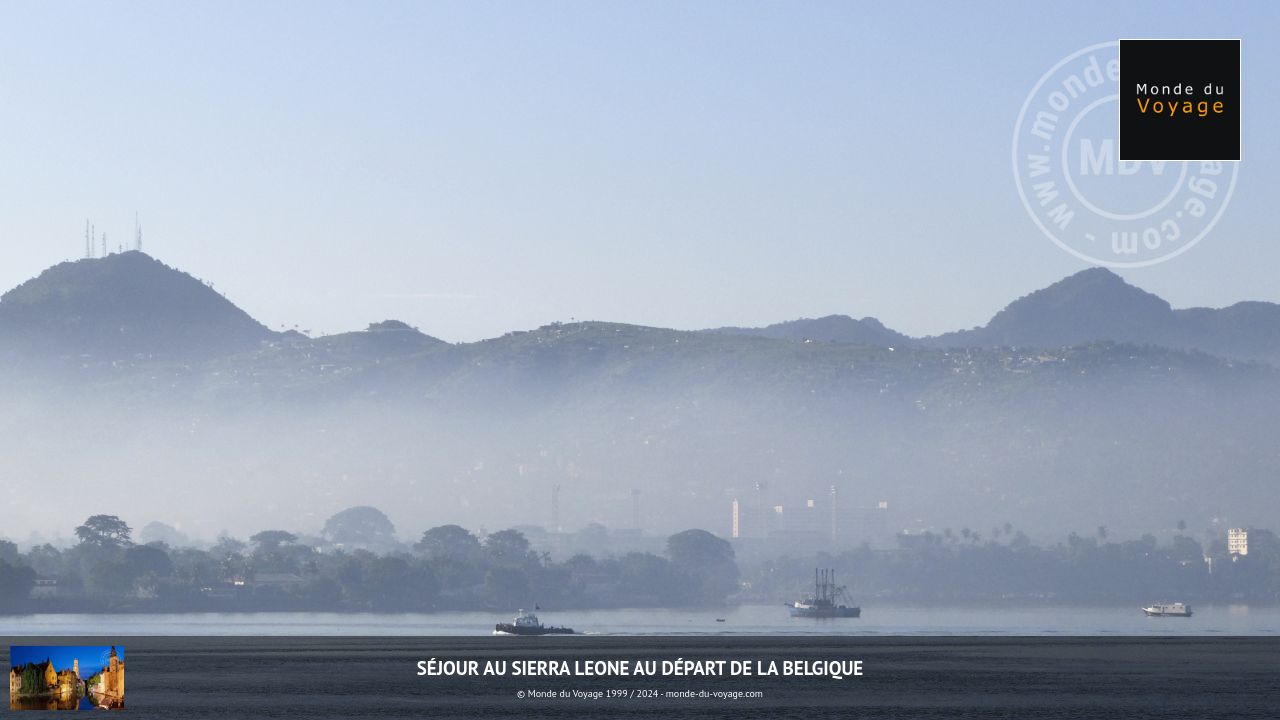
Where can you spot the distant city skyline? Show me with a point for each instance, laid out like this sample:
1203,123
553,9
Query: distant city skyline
477,168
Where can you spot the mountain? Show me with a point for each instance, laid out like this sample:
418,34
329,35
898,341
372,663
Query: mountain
1091,305
832,328
1094,305
1249,330
1098,305
122,306
389,337
253,429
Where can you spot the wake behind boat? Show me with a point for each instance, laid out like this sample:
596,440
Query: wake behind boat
526,623
825,602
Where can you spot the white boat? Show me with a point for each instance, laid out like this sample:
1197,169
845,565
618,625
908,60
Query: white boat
526,623
1167,610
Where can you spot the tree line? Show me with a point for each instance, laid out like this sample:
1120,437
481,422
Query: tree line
356,564
946,567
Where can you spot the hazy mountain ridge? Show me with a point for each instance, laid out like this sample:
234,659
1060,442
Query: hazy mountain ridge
1090,306
831,328
477,433
129,304
1097,304
123,305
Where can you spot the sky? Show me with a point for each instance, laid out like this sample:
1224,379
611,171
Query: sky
92,657
474,168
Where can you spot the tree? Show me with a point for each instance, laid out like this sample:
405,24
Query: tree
8,552
507,587
448,541
16,582
1186,549
109,577
105,531
581,563
227,545
45,559
159,532
707,562
395,583
698,548
646,579
362,527
277,551
147,562
269,540
508,547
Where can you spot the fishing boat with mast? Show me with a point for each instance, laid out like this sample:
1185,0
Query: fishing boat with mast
828,600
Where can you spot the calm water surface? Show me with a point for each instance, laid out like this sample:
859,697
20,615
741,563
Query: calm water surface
743,620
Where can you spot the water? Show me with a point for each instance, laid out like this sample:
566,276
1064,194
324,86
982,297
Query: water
755,620
83,702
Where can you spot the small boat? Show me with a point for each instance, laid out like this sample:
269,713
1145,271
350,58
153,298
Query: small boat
825,602
526,623
1167,610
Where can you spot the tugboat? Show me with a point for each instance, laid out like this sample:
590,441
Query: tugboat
1168,610
526,623
825,602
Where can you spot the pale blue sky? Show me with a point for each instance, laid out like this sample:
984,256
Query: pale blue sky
473,168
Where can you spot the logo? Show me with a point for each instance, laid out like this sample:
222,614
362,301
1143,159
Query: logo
1180,99
1082,196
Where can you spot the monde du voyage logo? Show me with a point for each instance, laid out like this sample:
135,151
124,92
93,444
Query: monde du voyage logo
1124,153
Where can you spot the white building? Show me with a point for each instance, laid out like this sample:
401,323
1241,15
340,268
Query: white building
1238,541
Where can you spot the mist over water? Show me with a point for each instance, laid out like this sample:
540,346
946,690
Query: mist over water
481,436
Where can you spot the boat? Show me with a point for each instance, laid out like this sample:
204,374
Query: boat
526,623
1167,610
827,601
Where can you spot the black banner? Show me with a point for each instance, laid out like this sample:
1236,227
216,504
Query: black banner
697,677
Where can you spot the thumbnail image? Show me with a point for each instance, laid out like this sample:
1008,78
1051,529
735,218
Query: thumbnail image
66,677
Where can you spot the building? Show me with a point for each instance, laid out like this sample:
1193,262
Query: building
110,688
44,588
44,679
69,680
40,678
1252,542
1238,541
